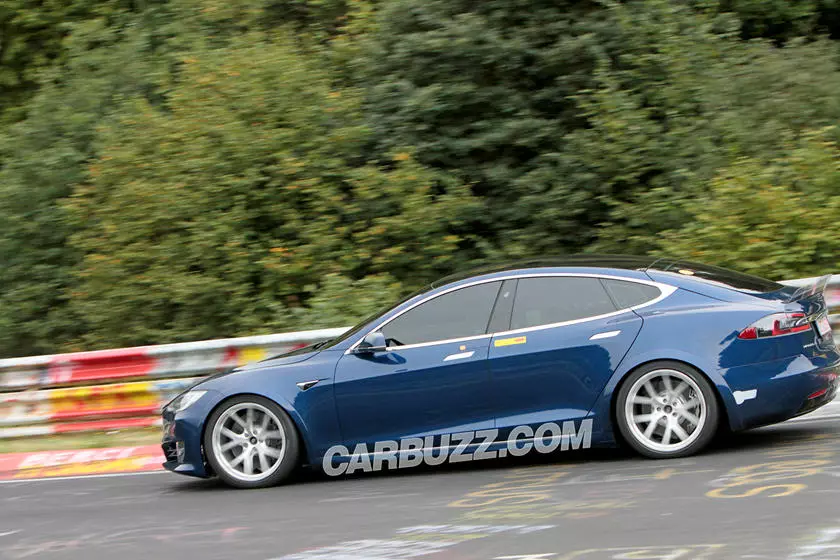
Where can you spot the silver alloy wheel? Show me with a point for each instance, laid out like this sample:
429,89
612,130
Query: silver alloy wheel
665,410
249,442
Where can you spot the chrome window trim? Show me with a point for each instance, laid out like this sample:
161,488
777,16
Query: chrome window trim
665,289
436,342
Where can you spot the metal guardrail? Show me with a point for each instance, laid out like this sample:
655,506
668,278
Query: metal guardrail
116,389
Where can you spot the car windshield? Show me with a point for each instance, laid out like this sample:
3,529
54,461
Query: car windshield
359,326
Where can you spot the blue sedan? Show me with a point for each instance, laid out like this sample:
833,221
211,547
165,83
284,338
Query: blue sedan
535,357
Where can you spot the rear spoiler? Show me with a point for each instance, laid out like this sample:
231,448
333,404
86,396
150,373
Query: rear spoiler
809,291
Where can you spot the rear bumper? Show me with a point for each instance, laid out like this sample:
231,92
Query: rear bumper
816,402
777,390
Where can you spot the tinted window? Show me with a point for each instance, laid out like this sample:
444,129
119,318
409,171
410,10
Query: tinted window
461,313
629,294
542,301
721,276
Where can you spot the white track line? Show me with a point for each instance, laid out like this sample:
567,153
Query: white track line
807,419
7,533
80,477
827,412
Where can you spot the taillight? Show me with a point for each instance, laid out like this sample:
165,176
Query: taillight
777,324
817,394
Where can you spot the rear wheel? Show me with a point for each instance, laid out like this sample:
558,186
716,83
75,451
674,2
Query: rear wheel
251,443
667,409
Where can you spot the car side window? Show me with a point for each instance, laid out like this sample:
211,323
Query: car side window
630,294
457,314
548,300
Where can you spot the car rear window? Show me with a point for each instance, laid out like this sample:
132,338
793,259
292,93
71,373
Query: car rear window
630,294
720,276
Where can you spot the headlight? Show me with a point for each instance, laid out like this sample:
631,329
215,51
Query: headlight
185,401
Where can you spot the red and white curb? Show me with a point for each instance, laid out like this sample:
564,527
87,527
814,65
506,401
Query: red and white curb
80,462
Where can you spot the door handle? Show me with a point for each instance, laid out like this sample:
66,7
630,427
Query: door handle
601,335
459,356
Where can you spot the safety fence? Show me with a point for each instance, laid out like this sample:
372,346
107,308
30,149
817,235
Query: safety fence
126,388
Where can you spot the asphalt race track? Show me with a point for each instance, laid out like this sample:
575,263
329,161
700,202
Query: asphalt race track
772,493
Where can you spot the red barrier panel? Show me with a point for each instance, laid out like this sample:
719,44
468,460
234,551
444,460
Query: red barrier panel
105,364
108,413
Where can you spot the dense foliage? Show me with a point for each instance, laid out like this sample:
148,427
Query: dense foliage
173,171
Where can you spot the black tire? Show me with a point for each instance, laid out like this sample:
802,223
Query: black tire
221,462
668,416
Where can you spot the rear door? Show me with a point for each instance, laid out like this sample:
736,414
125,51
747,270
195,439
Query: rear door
566,336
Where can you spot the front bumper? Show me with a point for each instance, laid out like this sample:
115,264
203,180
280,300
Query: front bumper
777,390
182,433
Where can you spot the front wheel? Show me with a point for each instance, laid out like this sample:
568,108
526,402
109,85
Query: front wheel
667,409
250,442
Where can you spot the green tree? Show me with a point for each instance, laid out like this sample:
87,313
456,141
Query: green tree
776,217
109,52
782,20
240,167
30,40
220,214
43,157
685,98
571,121
36,42
484,90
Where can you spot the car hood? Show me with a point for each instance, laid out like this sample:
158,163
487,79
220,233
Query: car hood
295,357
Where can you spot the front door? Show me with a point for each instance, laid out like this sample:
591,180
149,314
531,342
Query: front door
433,379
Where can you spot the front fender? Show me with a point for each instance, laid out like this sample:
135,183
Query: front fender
312,410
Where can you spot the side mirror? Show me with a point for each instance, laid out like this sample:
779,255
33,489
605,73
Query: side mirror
373,342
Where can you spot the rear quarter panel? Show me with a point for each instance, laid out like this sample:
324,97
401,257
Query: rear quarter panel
695,329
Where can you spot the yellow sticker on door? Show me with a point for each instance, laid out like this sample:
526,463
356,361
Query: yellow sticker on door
510,341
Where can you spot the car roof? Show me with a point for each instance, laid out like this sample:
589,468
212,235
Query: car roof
620,262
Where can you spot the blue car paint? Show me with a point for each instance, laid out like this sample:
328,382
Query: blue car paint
549,380
705,328
398,394
413,392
